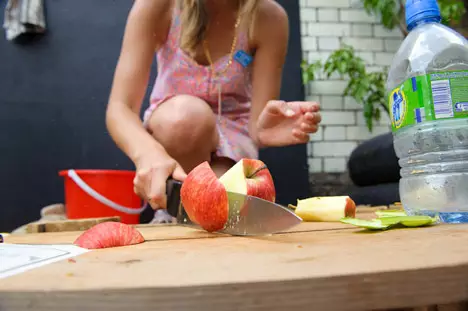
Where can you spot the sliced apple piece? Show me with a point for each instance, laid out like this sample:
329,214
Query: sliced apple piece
109,234
331,208
204,198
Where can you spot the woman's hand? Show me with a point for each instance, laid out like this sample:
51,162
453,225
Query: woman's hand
146,30
287,123
152,172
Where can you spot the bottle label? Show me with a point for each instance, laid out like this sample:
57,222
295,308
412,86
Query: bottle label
435,96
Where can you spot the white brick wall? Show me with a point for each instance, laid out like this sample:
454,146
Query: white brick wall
325,25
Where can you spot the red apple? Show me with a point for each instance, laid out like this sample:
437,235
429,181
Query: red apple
204,195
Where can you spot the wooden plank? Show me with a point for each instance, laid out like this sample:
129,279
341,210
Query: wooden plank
67,225
160,233
154,232
329,270
150,233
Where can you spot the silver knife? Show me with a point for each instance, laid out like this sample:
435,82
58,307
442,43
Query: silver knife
258,216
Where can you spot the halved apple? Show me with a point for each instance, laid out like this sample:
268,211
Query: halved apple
331,208
205,198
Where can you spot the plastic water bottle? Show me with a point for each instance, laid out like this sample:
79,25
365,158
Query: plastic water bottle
428,101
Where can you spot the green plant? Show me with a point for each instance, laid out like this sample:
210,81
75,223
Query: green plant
368,87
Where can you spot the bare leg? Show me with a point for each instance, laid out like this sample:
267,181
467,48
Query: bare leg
221,165
186,127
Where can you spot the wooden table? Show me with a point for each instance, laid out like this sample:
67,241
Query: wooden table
316,266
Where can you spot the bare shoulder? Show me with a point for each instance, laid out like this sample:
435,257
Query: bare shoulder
152,15
153,8
271,9
271,22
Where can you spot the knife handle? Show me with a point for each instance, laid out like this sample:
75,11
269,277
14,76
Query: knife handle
173,196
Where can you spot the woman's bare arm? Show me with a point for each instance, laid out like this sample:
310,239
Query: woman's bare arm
271,41
146,29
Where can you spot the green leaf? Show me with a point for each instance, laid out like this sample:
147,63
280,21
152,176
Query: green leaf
409,221
451,11
386,10
374,224
390,219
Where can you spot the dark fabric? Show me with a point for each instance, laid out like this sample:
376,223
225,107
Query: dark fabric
374,162
383,194
288,165
54,94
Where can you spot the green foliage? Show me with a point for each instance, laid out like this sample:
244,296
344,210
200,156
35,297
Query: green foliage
387,10
366,87
451,11
392,12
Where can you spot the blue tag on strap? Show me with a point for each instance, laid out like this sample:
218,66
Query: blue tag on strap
243,58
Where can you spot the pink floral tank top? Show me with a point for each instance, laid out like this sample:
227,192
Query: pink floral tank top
179,74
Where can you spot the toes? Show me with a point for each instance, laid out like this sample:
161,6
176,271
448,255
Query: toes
161,216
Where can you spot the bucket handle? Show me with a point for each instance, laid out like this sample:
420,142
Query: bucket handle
93,193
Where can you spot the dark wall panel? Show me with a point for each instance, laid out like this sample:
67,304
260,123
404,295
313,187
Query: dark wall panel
289,164
53,95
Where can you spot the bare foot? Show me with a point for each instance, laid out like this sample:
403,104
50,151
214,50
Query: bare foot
53,209
161,216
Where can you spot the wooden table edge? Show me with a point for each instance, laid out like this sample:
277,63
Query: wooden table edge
300,294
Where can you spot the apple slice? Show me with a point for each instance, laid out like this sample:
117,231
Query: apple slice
332,208
109,234
204,196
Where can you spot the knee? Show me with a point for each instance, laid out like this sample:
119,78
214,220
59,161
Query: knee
189,121
184,124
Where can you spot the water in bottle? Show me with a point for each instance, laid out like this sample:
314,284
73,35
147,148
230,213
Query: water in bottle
428,101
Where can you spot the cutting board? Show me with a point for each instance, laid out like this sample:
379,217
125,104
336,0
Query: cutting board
156,232
159,233
67,225
329,269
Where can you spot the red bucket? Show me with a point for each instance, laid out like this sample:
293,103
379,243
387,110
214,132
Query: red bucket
101,193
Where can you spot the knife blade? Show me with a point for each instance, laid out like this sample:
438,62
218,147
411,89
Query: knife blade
257,216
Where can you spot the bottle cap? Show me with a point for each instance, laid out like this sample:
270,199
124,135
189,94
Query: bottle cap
420,10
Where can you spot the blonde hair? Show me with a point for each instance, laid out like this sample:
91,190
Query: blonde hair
194,21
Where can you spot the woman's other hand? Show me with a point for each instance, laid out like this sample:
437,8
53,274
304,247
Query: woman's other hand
287,123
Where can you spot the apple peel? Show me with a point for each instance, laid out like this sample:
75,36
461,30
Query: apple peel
109,234
326,209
